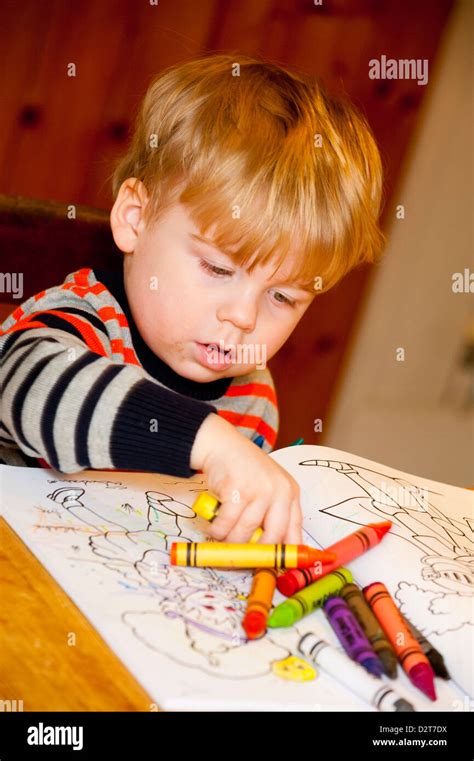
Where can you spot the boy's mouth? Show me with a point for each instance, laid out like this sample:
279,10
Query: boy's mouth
211,355
216,346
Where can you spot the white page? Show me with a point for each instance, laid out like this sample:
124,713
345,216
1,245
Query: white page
427,559
105,537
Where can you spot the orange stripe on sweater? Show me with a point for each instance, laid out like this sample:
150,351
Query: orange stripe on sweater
253,422
81,277
117,346
86,331
263,390
21,326
82,291
17,314
128,354
109,313
130,357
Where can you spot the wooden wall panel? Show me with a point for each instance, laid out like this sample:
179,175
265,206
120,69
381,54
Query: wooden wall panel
65,132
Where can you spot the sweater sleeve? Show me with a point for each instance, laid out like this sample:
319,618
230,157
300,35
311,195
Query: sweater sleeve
77,409
270,415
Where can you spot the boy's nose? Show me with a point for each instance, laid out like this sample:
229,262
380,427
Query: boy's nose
242,314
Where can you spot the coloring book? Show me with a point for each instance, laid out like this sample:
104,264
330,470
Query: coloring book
105,537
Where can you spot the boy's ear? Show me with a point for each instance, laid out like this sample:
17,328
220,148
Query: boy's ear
126,217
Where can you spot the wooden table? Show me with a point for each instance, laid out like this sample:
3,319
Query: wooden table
37,665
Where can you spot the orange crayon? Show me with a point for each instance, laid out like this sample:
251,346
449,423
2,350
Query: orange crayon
259,602
413,661
347,549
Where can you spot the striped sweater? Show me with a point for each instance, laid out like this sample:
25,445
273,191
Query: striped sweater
81,389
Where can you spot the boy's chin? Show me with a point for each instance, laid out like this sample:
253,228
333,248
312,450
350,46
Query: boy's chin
206,375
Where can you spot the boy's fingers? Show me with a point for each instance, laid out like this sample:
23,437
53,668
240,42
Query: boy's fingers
294,534
249,521
229,514
275,523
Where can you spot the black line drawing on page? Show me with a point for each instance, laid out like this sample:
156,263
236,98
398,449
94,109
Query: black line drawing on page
446,545
201,607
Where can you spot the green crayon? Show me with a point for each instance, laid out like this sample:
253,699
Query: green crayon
371,627
310,598
434,656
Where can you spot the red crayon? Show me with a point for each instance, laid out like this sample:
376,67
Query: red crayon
347,549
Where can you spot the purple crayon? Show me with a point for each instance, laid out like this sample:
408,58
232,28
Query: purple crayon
351,635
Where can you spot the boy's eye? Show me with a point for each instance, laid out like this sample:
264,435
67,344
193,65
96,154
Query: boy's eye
282,299
216,271
213,270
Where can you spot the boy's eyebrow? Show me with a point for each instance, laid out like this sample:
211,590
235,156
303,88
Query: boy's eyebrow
304,286
309,287
202,239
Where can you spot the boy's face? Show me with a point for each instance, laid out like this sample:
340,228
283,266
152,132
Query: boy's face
185,294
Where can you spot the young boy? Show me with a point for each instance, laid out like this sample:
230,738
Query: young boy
245,192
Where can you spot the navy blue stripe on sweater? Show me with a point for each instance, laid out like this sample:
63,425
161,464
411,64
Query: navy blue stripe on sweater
57,322
95,321
54,399
20,360
87,410
24,387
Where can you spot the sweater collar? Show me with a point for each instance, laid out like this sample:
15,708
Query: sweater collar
155,366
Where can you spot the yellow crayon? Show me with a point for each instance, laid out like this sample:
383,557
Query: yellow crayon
207,507
230,555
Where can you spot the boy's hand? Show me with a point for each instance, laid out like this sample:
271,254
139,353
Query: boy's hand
252,488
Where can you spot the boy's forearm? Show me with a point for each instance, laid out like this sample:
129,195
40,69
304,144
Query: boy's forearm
156,429
89,412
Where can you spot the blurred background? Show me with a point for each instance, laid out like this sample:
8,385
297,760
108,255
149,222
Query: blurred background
382,365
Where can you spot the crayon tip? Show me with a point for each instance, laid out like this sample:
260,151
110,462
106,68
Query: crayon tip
255,624
283,615
403,705
438,664
389,661
287,584
381,528
422,677
173,554
373,666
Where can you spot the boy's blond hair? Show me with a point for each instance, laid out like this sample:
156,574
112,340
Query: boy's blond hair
265,155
